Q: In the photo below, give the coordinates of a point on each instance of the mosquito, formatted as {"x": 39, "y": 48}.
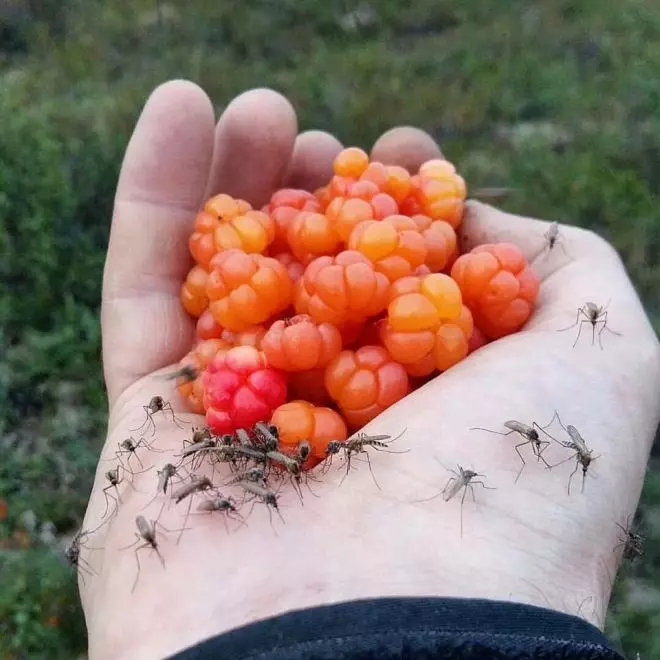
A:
{"x": 583, "y": 455}
{"x": 593, "y": 315}
{"x": 461, "y": 480}
{"x": 267, "y": 434}
{"x": 157, "y": 404}
{"x": 114, "y": 478}
{"x": 165, "y": 475}
{"x": 268, "y": 497}
{"x": 145, "y": 532}
{"x": 221, "y": 504}
{"x": 632, "y": 542}
{"x": 358, "y": 445}
{"x": 196, "y": 485}
{"x": 254, "y": 474}
{"x": 553, "y": 237}
{"x": 130, "y": 446}
{"x": 292, "y": 465}
{"x": 187, "y": 373}
{"x": 72, "y": 554}
{"x": 531, "y": 437}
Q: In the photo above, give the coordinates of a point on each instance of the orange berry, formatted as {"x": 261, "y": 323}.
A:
{"x": 300, "y": 420}
{"x": 228, "y": 223}
{"x": 440, "y": 191}
{"x": 284, "y": 206}
{"x": 250, "y": 337}
{"x": 193, "y": 291}
{"x": 377, "y": 174}
{"x": 363, "y": 190}
{"x": 340, "y": 185}
{"x": 246, "y": 289}
{"x": 207, "y": 327}
{"x": 398, "y": 183}
{"x": 440, "y": 239}
{"x": 198, "y": 359}
{"x": 299, "y": 344}
{"x": 200, "y": 243}
{"x": 383, "y": 205}
{"x": 498, "y": 286}
{"x": 424, "y": 351}
{"x": 341, "y": 288}
{"x": 351, "y": 162}
{"x": 312, "y": 234}
{"x": 324, "y": 196}
{"x": 393, "y": 245}
{"x": 365, "y": 382}
{"x": 422, "y": 303}
{"x": 345, "y": 214}
{"x": 294, "y": 267}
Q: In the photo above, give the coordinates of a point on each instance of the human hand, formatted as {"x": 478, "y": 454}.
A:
{"x": 528, "y": 541}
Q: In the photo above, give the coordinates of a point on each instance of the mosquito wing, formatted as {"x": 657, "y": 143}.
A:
{"x": 519, "y": 427}
{"x": 578, "y": 440}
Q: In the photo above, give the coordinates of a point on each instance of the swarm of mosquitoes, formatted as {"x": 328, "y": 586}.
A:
{"x": 259, "y": 466}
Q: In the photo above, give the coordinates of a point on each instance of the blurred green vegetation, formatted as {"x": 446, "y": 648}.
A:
{"x": 559, "y": 99}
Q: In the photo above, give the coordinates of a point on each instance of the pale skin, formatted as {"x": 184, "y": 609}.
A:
{"x": 527, "y": 542}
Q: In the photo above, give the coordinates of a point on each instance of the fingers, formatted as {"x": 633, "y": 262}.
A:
{"x": 311, "y": 164}
{"x": 160, "y": 188}
{"x": 254, "y": 141}
{"x": 405, "y": 146}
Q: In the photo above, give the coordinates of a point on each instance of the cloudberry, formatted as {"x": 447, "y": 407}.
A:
{"x": 398, "y": 183}
{"x": 198, "y": 359}
{"x": 394, "y": 245}
{"x": 351, "y": 162}
{"x": 312, "y": 234}
{"x": 424, "y": 351}
{"x": 227, "y": 223}
{"x": 300, "y": 420}
{"x": 498, "y": 286}
{"x": 240, "y": 389}
{"x": 193, "y": 291}
{"x": 440, "y": 191}
{"x": 246, "y": 289}
{"x": 299, "y": 344}
{"x": 294, "y": 267}
{"x": 422, "y": 303}
{"x": 440, "y": 240}
{"x": 365, "y": 382}
{"x": 283, "y": 207}
{"x": 207, "y": 327}
{"x": 341, "y": 288}
{"x": 345, "y": 214}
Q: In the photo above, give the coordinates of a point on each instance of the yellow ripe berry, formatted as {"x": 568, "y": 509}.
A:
{"x": 351, "y": 162}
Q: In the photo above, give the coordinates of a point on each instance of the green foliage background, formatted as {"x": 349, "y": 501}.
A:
{"x": 559, "y": 99}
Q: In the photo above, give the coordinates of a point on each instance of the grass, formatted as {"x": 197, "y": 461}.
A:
{"x": 558, "y": 99}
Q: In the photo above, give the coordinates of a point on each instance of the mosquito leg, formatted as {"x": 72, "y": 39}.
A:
{"x": 168, "y": 406}
{"x": 480, "y": 428}
{"x": 577, "y": 339}
{"x": 577, "y": 318}
{"x": 577, "y": 465}
{"x": 137, "y": 559}
{"x": 372, "y": 472}
{"x": 522, "y": 467}
{"x": 138, "y": 539}
{"x": 463, "y": 500}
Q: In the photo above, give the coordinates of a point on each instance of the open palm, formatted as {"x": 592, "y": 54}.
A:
{"x": 527, "y": 541}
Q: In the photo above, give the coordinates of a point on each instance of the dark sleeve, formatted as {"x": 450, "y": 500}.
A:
{"x": 412, "y": 628}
